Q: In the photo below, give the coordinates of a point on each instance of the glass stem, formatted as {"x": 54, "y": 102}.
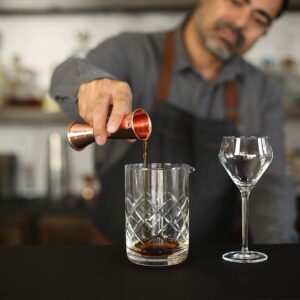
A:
{"x": 245, "y": 219}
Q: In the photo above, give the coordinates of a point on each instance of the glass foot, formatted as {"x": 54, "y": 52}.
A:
{"x": 245, "y": 256}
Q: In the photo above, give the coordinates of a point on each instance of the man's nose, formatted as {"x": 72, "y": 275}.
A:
{"x": 242, "y": 19}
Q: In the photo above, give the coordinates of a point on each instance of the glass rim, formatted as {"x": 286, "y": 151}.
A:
{"x": 250, "y": 137}
{"x": 158, "y": 166}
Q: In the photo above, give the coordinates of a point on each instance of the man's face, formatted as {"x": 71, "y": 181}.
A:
{"x": 231, "y": 27}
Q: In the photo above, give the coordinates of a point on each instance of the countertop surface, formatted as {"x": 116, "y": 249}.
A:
{"x": 94, "y": 272}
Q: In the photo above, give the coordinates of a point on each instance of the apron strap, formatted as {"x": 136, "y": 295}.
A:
{"x": 166, "y": 67}
{"x": 231, "y": 99}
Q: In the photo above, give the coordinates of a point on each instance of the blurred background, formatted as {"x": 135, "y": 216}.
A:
{"x": 46, "y": 188}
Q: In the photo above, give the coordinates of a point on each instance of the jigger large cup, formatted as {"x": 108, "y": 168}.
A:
{"x": 157, "y": 213}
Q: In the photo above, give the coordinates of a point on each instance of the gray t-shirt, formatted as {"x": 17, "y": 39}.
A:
{"x": 135, "y": 58}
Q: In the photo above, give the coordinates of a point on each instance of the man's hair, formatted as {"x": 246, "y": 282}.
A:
{"x": 284, "y": 7}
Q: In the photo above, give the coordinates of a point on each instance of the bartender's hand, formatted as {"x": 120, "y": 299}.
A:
{"x": 94, "y": 101}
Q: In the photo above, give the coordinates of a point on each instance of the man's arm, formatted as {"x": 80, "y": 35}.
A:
{"x": 66, "y": 80}
{"x": 272, "y": 201}
{"x": 86, "y": 88}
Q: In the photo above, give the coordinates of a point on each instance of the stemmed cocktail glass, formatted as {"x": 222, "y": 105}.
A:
{"x": 245, "y": 159}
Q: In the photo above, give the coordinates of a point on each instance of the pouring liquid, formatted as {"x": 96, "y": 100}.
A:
{"x": 145, "y": 154}
{"x": 155, "y": 246}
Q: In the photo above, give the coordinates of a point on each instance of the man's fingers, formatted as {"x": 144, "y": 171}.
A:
{"x": 115, "y": 119}
{"x": 100, "y": 112}
{"x": 122, "y": 100}
{"x": 131, "y": 140}
{"x": 94, "y": 100}
{"x": 85, "y": 102}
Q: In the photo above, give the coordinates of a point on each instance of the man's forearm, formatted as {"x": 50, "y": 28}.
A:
{"x": 67, "y": 79}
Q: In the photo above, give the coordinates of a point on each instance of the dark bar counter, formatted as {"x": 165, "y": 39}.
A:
{"x": 94, "y": 272}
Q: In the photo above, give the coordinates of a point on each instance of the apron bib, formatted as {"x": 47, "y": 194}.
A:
{"x": 178, "y": 137}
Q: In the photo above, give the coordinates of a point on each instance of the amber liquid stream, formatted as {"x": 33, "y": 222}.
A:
{"x": 155, "y": 246}
{"x": 145, "y": 153}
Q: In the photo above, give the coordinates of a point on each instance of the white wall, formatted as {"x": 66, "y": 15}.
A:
{"x": 282, "y": 40}
{"x": 43, "y": 41}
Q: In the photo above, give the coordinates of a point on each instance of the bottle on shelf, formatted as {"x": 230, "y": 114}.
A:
{"x": 290, "y": 82}
{"x": 82, "y": 41}
{"x": 23, "y": 90}
{"x": 3, "y": 78}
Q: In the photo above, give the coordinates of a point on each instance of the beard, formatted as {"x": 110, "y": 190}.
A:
{"x": 222, "y": 51}
{"x": 220, "y": 47}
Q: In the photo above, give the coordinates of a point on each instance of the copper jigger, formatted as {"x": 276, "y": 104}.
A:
{"x": 136, "y": 125}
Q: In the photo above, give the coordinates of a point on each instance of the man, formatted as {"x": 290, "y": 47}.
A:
{"x": 197, "y": 89}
